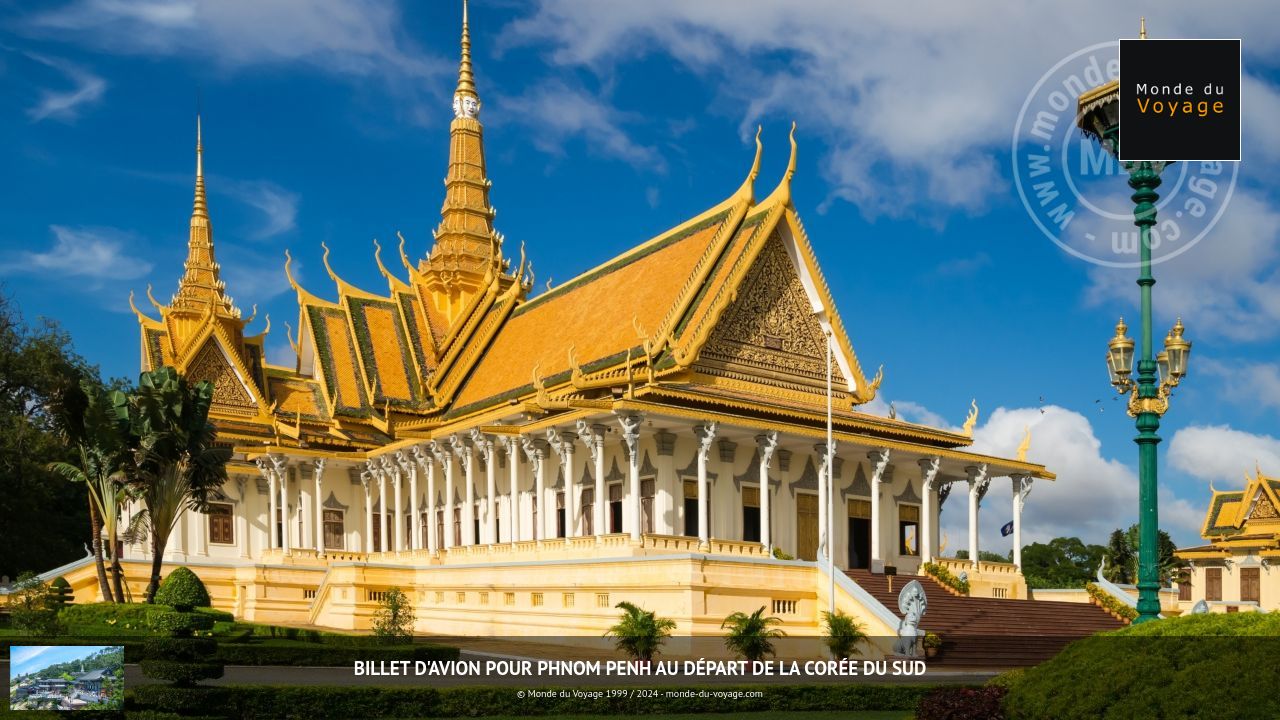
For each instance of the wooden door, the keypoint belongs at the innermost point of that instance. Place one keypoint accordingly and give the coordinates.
(807, 526)
(1213, 583)
(1250, 588)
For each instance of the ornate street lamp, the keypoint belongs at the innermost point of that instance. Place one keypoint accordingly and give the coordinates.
(1099, 118)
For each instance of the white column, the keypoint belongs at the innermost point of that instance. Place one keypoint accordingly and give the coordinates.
(281, 465)
(593, 439)
(512, 447)
(562, 443)
(412, 463)
(978, 482)
(264, 467)
(485, 446)
(928, 478)
(392, 467)
(705, 434)
(536, 451)
(879, 461)
(463, 449)
(319, 509)
(1021, 488)
(433, 539)
(631, 436)
(384, 535)
(242, 518)
(366, 480)
(202, 540)
(449, 470)
(767, 443)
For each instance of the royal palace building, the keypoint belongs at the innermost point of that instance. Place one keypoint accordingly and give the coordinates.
(654, 430)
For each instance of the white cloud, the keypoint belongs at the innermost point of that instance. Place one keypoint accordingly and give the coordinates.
(1254, 385)
(279, 206)
(1222, 454)
(254, 277)
(916, 107)
(95, 253)
(66, 105)
(359, 39)
(1228, 286)
(559, 112)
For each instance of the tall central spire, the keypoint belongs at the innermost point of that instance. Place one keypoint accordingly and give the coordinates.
(467, 248)
(201, 286)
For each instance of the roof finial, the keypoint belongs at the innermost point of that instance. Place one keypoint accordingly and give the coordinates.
(466, 101)
(200, 209)
(1142, 27)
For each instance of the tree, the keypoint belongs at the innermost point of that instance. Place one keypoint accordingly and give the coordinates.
(1121, 558)
(986, 556)
(1064, 562)
(174, 464)
(751, 636)
(844, 635)
(393, 621)
(88, 422)
(31, 607)
(640, 633)
(183, 590)
(43, 518)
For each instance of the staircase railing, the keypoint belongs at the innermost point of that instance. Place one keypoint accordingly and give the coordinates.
(1115, 590)
(860, 594)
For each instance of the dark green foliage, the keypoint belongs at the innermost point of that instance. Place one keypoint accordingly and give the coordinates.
(393, 620)
(174, 463)
(31, 607)
(640, 633)
(262, 701)
(1110, 603)
(986, 556)
(1122, 560)
(50, 516)
(182, 673)
(1166, 563)
(844, 634)
(179, 624)
(307, 654)
(1184, 667)
(962, 703)
(1061, 563)
(179, 648)
(751, 636)
(182, 590)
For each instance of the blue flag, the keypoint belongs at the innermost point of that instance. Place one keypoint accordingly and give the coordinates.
(1007, 529)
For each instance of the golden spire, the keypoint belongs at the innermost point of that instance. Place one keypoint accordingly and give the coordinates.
(201, 286)
(467, 250)
(1142, 27)
(466, 81)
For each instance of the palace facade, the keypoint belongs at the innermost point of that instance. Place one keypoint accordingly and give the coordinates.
(652, 430)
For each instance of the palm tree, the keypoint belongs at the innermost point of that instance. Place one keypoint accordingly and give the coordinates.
(844, 634)
(640, 633)
(86, 419)
(751, 636)
(174, 464)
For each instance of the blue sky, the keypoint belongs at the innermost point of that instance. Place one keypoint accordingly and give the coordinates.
(26, 659)
(607, 122)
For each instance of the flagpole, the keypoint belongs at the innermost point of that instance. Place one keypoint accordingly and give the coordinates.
(830, 499)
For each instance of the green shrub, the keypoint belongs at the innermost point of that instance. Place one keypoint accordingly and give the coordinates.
(262, 701)
(180, 624)
(1109, 602)
(393, 620)
(182, 673)
(844, 635)
(944, 576)
(109, 619)
(31, 607)
(640, 633)
(781, 554)
(1171, 668)
(217, 615)
(178, 648)
(751, 636)
(183, 590)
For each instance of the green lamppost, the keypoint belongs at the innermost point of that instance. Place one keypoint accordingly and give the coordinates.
(1098, 117)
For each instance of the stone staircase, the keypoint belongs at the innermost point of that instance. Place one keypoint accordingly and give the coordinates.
(989, 632)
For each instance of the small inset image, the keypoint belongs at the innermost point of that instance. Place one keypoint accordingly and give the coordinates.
(66, 677)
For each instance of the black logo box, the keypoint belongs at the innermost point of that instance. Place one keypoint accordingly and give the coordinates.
(1187, 68)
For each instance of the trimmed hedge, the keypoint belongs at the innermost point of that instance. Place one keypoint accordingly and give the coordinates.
(1183, 667)
(183, 590)
(327, 656)
(180, 623)
(1108, 602)
(944, 576)
(253, 702)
